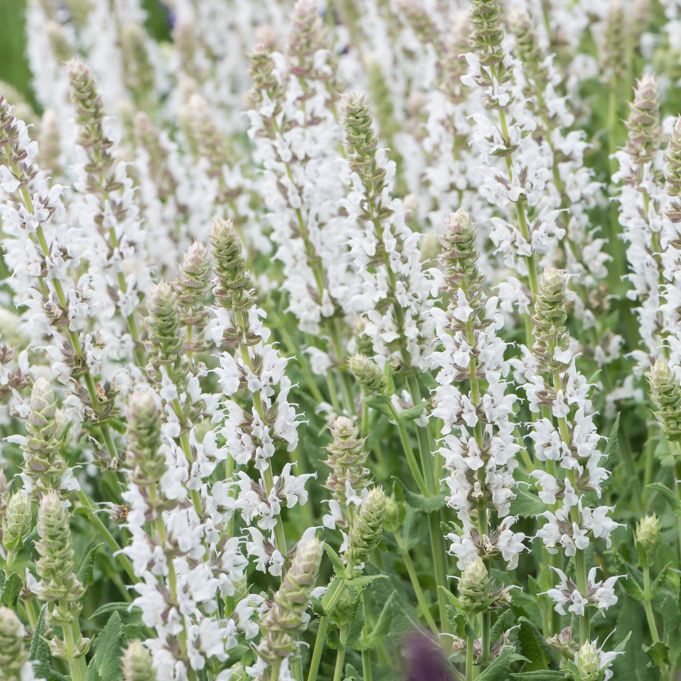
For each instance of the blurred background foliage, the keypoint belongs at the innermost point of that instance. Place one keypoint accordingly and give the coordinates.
(13, 63)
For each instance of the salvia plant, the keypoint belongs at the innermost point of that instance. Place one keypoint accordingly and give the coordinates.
(341, 341)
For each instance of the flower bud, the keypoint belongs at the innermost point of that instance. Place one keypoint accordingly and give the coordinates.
(527, 45)
(308, 33)
(137, 66)
(286, 614)
(233, 289)
(137, 663)
(615, 41)
(647, 537)
(13, 655)
(486, 17)
(43, 460)
(361, 145)
(460, 257)
(144, 440)
(665, 392)
(673, 173)
(549, 318)
(365, 533)
(643, 123)
(368, 374)
(56, 567)
(164, 326)
(192, 289)
(17, 521)
(49, 149)
(588, 663)
(347, 457)
(474, 587)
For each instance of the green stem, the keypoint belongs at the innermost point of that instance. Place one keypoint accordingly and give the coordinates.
(340, 655)
(274, 673)
(366, 665)
(319, 643)
(470, 658)
(416, 586)
(408, 451)
(72, 639)
(584, 622)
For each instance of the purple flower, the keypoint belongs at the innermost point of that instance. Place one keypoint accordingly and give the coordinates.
(425, 660)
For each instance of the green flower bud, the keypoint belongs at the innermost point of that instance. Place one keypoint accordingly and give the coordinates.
(673, 172)
(56, 566)
(474, 587)
(17, 521)
(192, 289)
(137, 663)
(13, 655)
(347, 457)
(149, 138)
(665, 392)
(61, 47)
(460, 259)
(588, 663)
(144, 440)
(308, 34)
(486, 18)
(43, 460)
(648, 536)
(137, 66)
(233, 289)
(614, 51)
(164, 327)
(286, 614)
(361, 146)
(549, 318)
(365, 533)
(101, 178)
(527, 47)
(368, 374)
(643, 122)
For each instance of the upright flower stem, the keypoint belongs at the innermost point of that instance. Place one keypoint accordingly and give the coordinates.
(340, 654)
(318, 650)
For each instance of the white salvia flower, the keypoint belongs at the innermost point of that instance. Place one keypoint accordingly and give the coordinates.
(479, 445)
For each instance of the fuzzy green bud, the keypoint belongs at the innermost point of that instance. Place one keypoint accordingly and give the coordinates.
(673, 172)
(368, 374)
(648, 536)
(588, 663)
(549, 318)
(137, 663)
(144, 440)
(164, 326)
(13, 655)
(643, 122)
(460, 258)
(361, 145)
(43, 460)
(347, 456)
(137, 65)
(101, 178)
(233, 289)
(56, 566)
(486, 18)
(191, 289)
(614, 51)
(474, 587)
(17, 521)
(308, 34)
(665, 391)
(365, 533)
(527, 46)
(286, 614)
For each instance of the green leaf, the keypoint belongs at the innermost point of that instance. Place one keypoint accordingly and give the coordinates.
(533, 646)
(116, 606)
(658, 653)
(632, 665)
(10, 591)
(108, 650)
(539, 675)
(39, 650)
(526, 504)
(425, 504)
(87, 565)
(376, 637)
(500, 668)
(670, 497)
(336, 560)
